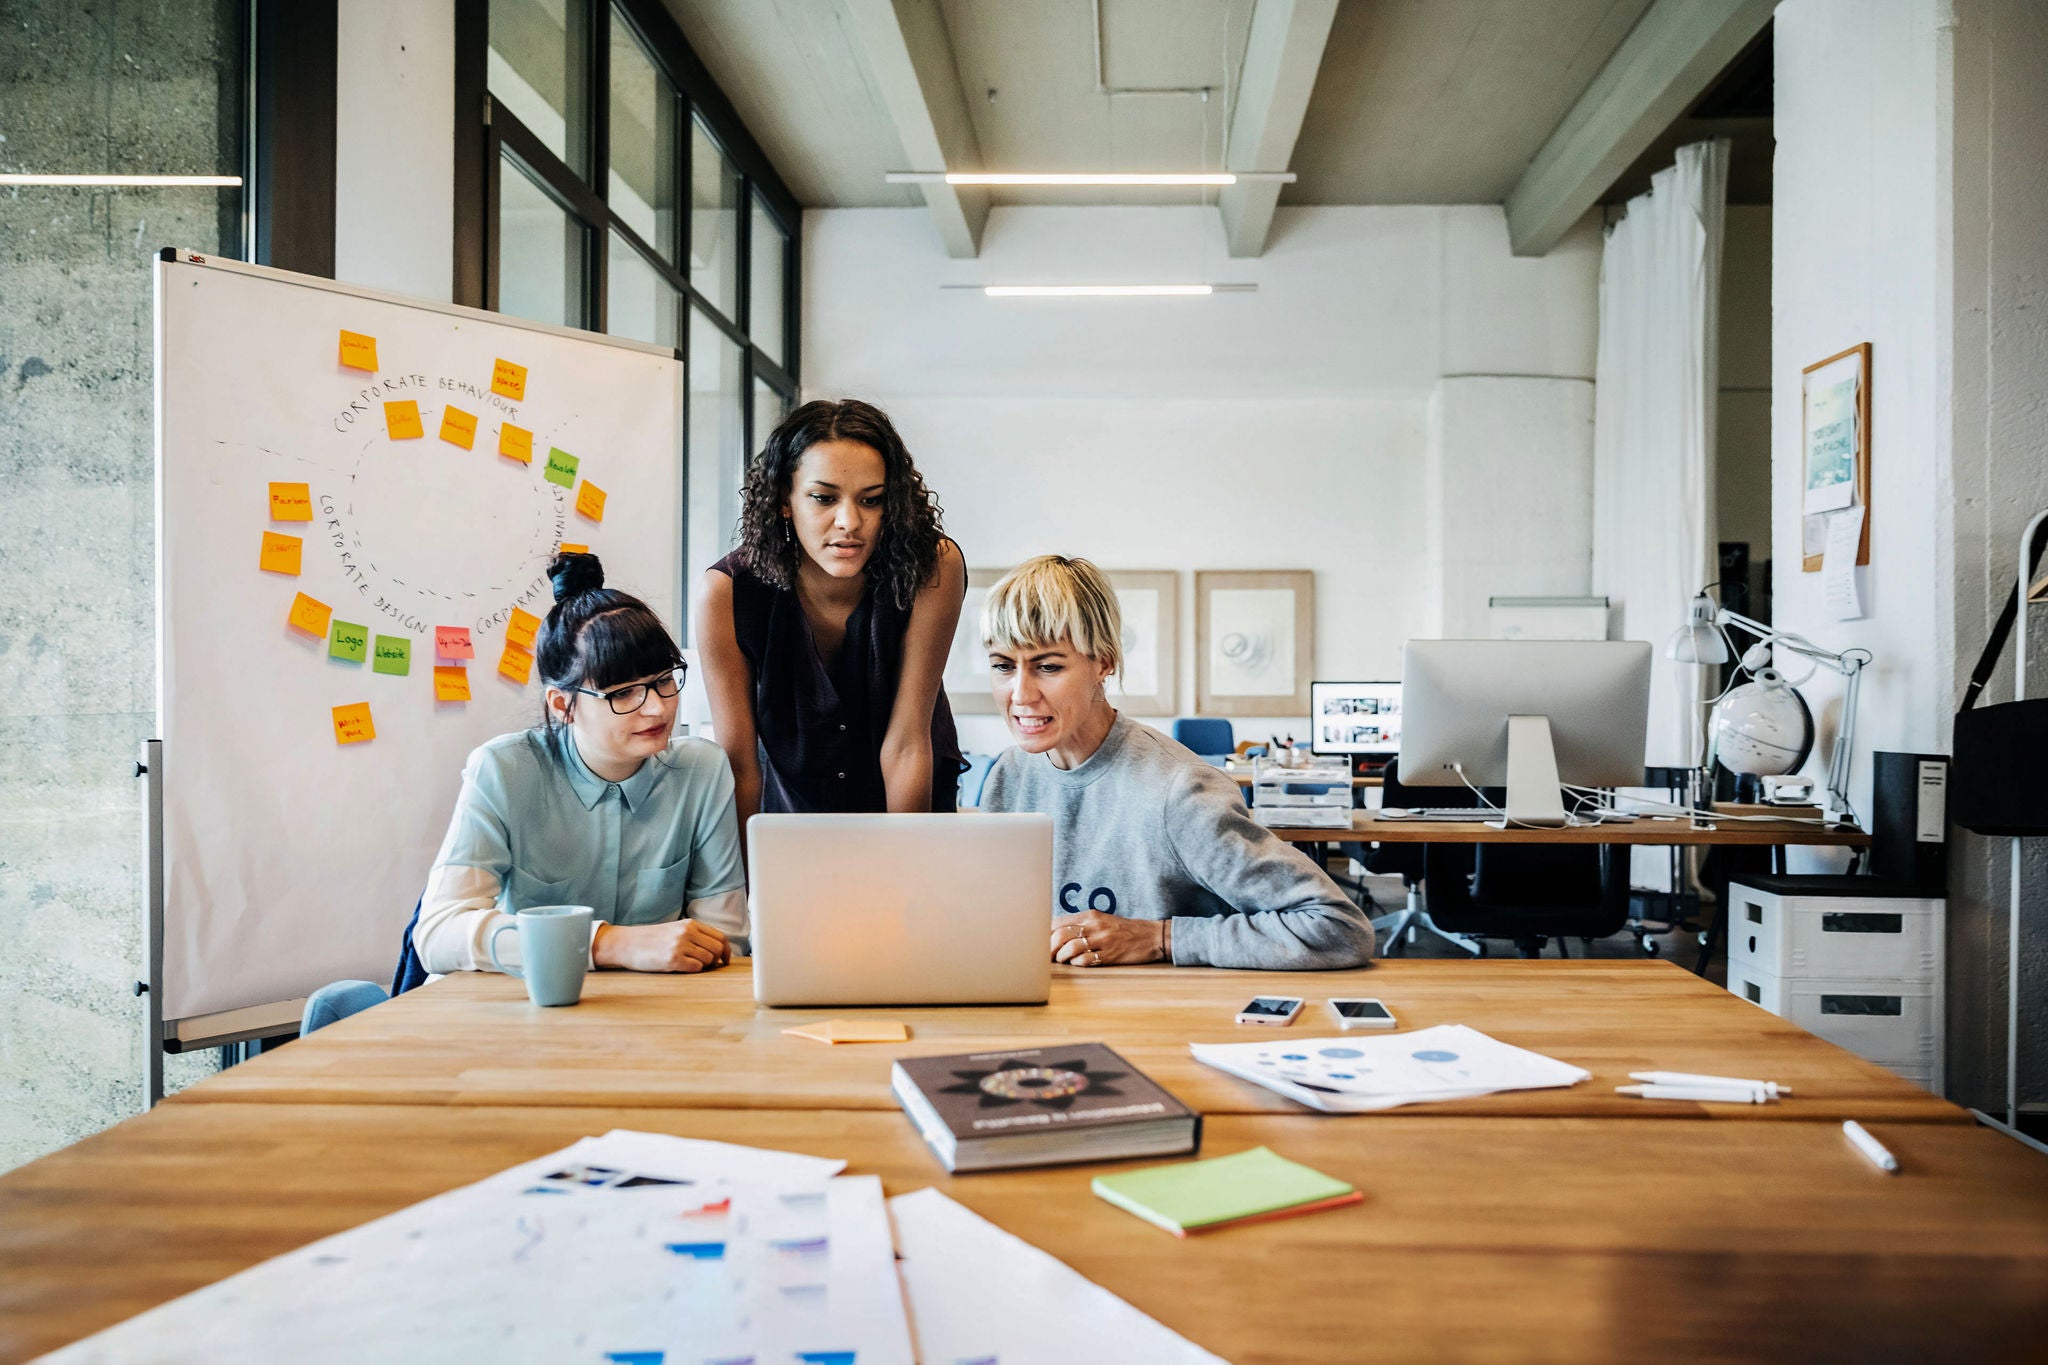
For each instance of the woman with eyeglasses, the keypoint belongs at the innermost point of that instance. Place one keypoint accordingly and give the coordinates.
(599, 805)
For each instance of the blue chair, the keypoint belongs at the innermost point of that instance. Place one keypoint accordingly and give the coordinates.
(1207, 737)
(337, 1000)
(975, 777)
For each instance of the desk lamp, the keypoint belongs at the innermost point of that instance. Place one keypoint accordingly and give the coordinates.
(1703, 640)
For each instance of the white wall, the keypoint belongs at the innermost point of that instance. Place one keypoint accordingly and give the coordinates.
(394, 149)
(1286, 428)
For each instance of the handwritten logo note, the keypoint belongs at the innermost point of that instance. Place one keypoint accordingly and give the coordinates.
(347, 640)
(358, 352)
(392, 654)
(515, 443)
(402, 420)
(281, 553)
(290, 502)
(590, 501)
(452, 642)
(458, 428)
(516, 664)
(568, 549)
(451, 682)
(352, 724)
(310, 615)
(519, 630)
(508, 380)
(561, 468)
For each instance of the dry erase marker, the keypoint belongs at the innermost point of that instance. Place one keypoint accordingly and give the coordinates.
(1712, 1094)
(1862, 1141)
(1771, 1088)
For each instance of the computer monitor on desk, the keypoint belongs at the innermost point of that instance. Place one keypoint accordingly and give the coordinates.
(1525, 715)
(1361, 719)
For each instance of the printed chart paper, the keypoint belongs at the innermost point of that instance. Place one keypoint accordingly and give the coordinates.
(1350, 1074)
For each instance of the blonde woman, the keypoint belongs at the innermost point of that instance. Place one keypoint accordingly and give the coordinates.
(1155, 858)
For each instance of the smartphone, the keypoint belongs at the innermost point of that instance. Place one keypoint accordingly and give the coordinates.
(1271, 1009)
(1361, 1013)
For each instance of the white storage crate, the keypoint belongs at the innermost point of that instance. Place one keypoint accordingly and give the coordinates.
(1302, 798)
(1835, 936)
(1893, 1022)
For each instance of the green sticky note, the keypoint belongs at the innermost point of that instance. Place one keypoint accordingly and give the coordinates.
(393, 655)
(561, 468)
(1188, 1195)
(347, 640)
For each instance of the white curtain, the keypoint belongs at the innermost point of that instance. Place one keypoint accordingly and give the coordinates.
(1653, 424)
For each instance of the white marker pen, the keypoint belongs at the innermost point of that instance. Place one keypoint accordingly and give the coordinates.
(1862, 1141)
(1724, 1094)
(1771, 1088)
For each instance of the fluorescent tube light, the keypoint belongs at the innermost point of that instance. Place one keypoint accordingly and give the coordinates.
(1043, 180)
(1103, 291)
(130, 181)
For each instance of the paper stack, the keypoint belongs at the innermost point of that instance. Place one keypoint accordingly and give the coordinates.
(1351, 1075)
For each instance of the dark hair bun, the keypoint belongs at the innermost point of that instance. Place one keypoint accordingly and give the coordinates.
(574, 573)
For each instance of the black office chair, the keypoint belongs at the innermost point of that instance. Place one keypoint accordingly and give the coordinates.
(1528, 893)
(1396, 931)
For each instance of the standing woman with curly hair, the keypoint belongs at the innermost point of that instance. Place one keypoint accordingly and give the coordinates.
(824, 635)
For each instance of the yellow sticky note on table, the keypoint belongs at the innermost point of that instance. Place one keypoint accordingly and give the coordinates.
(515, 443)
(458, 428)
(516, 664)
(358, 352)
(290, 502)
(508, 380)
(451, 682)
(566, 548)
(519, 630)
(352, 724)
(310, 615)
(402, 420)
(854, 1031)
(281, 553)
(590, 501)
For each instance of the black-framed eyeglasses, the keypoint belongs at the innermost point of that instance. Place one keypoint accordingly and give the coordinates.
(624, 701)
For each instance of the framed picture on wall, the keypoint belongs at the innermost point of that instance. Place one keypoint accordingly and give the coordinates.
(1254, 641)
(1149, 602)
(1834, 449)
(966, 676)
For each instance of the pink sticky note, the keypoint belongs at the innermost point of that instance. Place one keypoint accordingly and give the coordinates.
(452, 642)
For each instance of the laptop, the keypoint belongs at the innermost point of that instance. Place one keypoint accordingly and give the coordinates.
(901, 909)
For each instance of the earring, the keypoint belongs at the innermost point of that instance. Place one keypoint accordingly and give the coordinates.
(788, 531)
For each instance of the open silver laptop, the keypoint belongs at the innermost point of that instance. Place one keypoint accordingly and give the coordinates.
(901, 909)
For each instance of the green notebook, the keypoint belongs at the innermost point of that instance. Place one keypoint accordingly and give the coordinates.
(1189, 1196)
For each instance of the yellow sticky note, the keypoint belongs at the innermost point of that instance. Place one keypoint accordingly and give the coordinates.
(352, 724)
(519, 630)
(508, 380)
(854, 1031)
(516, 664)
(451, 682)
(281, 553)
(458, 428)
(310, 615)
(590, 501)
(290, 502)
(515, 443)
(402, 420)
(566, 548)
(358, 352)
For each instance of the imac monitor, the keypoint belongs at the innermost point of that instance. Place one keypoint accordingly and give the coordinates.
(1525, 715)
(1355, 718)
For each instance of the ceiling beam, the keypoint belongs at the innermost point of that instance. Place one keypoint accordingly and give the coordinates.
(1667, 61)
(1281, 55)
(910, 57)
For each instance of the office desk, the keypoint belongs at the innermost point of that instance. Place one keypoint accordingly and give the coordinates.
(1368, 827)
(1579, 1240)
(701, 1042)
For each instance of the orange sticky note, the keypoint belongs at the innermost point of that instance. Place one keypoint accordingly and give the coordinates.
(358, 352)
(516, 664)
(590, 501)
(402, 420)
(519, 630)
(452, 642)
(566, 548)
(451, 682)
(853, 1031)
(515, 443)
(352, 724)
(458, 428)
(281, 553)
(290, 502)
(508, 380)
(310, 615)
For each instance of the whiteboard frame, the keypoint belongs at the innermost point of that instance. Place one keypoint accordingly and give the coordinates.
(278, 1018)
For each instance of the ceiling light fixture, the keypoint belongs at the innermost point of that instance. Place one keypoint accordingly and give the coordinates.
(123, 181)
(1084, 180)
(1104, 291)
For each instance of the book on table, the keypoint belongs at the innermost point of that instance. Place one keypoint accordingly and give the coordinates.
(986, 1111)
(1252, 1186)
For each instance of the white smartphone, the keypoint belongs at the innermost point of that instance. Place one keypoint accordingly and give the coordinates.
(1271, 1009)
(1358, 1012)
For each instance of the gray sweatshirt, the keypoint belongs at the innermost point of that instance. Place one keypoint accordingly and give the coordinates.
(1147, 830)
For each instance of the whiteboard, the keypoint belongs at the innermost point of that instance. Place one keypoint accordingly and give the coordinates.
(291, 859)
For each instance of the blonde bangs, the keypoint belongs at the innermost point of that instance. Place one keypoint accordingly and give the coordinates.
(1051, 599)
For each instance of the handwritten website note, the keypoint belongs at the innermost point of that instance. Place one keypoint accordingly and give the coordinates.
(352, 723)
(290, 502)
(310, 614)
(392, 654)
(561, 468)
(516, 664)
(358, 352)
(348, 640)
(520, 628)
(402, 420)
(515, 443)
(280, 553)
(508, 380)
(452, 642)
(590, 501)
(458, 428)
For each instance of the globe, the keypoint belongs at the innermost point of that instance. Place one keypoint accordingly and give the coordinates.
(1762, 728)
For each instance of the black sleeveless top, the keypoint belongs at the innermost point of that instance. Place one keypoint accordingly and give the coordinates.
(819, 731)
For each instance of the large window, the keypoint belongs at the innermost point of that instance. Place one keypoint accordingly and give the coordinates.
(609, 186)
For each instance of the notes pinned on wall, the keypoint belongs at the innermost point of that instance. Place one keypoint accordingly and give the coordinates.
(310, 614)
(520, 628)
(392, 654)
(290, 502)
(352, 723)
(452, 642)
(590, 501)
(280, 553)
(515, 443)
(348, 640)
(458, 428)
(402, 420)
(451, 682)
(516, 664)
(508, 380)
(358, 352)
(561, 468)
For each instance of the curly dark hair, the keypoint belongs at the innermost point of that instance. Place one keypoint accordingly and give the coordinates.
(912, 529)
